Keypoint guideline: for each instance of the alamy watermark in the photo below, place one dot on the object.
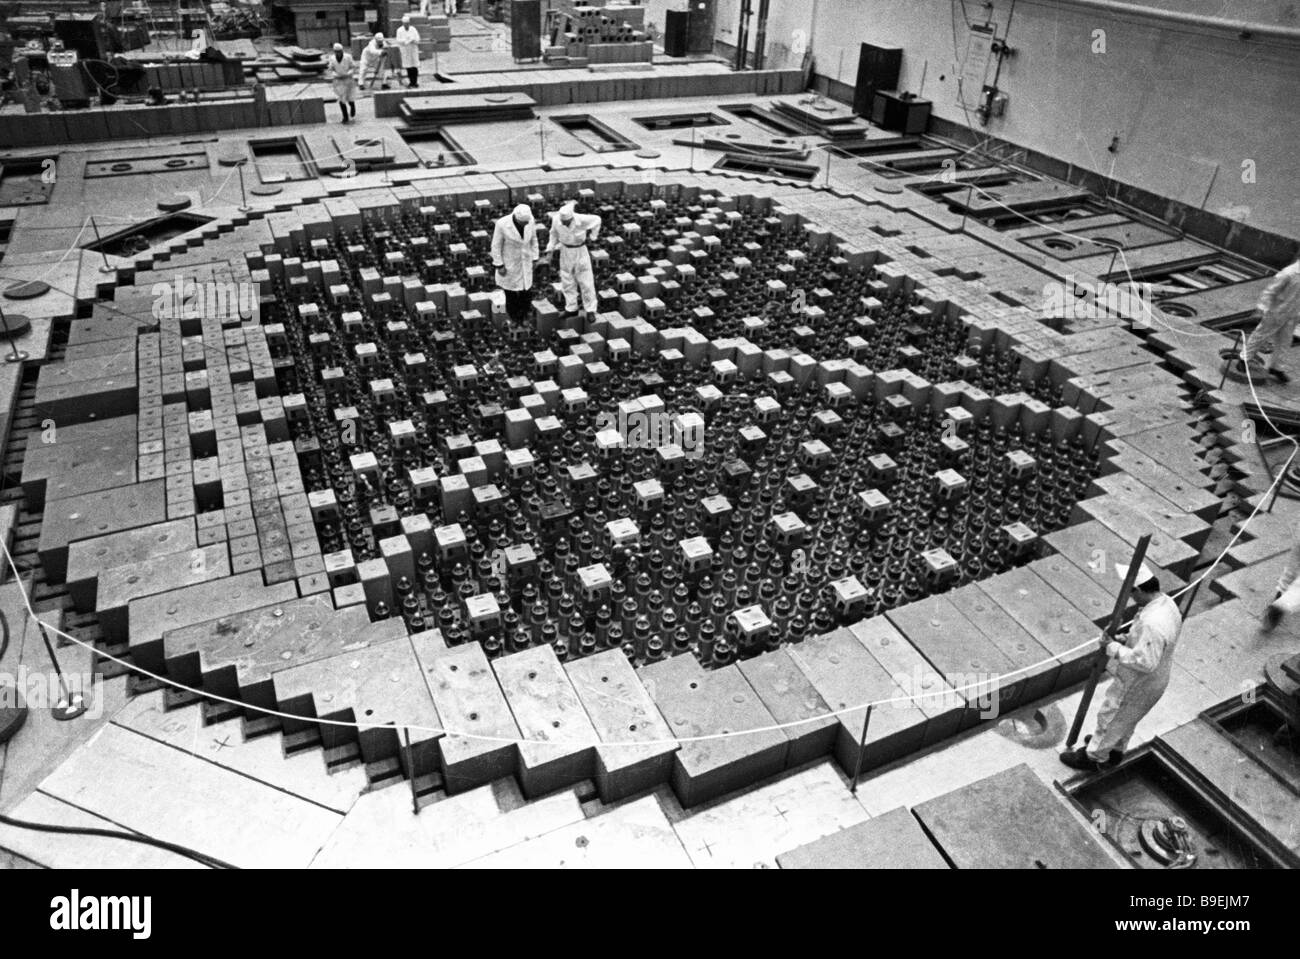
(188, 299)
(42, 690)
(981, 691)
(652, 429)
(1075, 299)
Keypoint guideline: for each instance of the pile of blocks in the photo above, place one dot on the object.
(603, 34)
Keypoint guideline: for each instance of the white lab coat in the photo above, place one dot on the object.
(407, 40)
(373, 64)
(1141, 669)
(576, 275)
(343, 76)
(515, 253)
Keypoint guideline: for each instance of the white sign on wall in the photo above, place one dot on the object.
(975, 65)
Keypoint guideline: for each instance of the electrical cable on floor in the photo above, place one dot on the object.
(212, 862)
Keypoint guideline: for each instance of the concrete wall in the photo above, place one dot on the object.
(1189, 105)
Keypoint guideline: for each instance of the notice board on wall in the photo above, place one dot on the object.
(975, 64)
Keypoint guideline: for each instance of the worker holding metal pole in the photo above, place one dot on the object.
(374, 63)
(1140, 664)
(569, 234)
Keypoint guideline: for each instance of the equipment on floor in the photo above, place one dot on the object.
(878, 69)
(610, 34)
(1167, 842)
(526, 29)
(902, 112)
(677, 25)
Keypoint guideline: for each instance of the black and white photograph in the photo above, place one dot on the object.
(679, 435)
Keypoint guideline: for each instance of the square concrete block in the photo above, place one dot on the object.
(847, 676)
(1012, 820)
(547, 710)
(721, 705)
(790, 697)
(469, 700)
(623, 716)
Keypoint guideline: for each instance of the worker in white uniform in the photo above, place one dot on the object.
(1140, 667)
(342, 72)
(408, 43)
(374, 62)
(1279, 309)
(514, 251)
(570, 231)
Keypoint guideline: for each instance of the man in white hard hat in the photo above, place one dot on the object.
(408, 44)
(570, 233)
(374, 62)
(342, 72)
(1140, 666)
(514, 251)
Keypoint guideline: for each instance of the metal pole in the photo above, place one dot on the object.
(243, 197)
(99, 242)
(862, 745)
(828, 168)
(1189, 599)
(410, 771)
(1227, 363)
(17, 356)
(692, 147)
(68, 707)
(970, 192)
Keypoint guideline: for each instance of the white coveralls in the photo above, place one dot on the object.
(374, 64)
(1280, 306)
(1141, 671)
(575, 261)
(343, 77)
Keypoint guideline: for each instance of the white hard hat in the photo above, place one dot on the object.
(523, 212)
(338, 46)
(1144, 573)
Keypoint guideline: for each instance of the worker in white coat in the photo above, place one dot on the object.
(342, 71)
(514, 252)
(1279, 309)
(1140, 667)
(408, 44)
(570, 233)
(374, 62)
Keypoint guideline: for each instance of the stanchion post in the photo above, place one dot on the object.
(862, 747)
